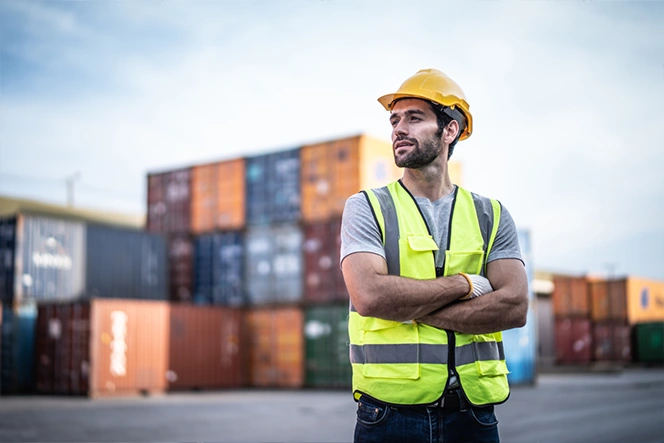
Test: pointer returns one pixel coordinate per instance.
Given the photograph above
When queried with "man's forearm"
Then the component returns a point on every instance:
(402, 299)
(492, 312)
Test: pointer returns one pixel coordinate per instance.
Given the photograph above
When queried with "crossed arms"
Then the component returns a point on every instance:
(435, 302)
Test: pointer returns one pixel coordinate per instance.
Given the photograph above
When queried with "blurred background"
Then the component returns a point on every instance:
(172, 178)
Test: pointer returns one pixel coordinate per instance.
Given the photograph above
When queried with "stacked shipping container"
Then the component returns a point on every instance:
(599, 320)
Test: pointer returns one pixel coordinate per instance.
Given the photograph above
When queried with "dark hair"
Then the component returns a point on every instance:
(444, 118)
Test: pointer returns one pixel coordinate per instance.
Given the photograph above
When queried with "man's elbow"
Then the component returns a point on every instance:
(365, 306)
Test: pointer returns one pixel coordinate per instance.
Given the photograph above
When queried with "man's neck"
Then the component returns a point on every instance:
(432, 181)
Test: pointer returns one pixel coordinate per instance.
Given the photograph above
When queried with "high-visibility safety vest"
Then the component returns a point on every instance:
(408, 363)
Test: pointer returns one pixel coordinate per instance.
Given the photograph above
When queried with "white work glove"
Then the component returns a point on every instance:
(478, 286)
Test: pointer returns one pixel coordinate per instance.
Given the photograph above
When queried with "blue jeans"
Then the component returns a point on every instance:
(377, 422)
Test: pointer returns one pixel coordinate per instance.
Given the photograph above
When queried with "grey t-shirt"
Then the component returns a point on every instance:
(359, 232)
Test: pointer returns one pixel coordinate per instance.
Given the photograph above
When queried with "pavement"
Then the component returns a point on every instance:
(612, 406)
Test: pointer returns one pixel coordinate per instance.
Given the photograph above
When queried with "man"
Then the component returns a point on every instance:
(434, 274)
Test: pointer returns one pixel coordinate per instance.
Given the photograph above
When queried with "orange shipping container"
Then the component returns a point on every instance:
(217, 196)
(645, 300)
(570, 296)
(128, 346)
(608, 300)
(204, 347)
(275, 347)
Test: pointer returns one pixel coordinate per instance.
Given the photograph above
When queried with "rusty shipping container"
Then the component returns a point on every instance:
(570, 296)
(612, 342)
(273, 187)
(275, 347)
(608, 300)
(573, 340)
(205, 348)
(217, 196)
(323, 280)
(180, 268)
(219, 269)
(126, 352)
(169, 202)
(273, 264)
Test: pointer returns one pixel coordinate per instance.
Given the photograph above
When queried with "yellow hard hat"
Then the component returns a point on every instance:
(434, 85)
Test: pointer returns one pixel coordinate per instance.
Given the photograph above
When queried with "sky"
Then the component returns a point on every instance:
(567, 100)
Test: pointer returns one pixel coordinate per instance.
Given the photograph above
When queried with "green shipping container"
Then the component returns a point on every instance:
(326, 344)
(649, 342)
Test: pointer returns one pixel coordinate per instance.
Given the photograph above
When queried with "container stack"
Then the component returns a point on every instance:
(51, 259)
(608, 320)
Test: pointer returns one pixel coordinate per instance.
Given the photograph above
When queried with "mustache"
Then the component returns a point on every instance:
(401, 138)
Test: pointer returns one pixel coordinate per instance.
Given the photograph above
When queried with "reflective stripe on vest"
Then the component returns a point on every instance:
(406, 363)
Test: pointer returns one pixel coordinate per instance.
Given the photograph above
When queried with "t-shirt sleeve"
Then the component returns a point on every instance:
(359, 231)
(506, 244)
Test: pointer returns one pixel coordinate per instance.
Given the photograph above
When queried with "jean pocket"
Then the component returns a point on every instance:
(484, 416)
(370, 413)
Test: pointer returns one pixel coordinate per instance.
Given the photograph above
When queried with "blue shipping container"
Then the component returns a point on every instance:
(125, 263)
(273, 188)
(17, 349)
(219, 269)
(521, 344)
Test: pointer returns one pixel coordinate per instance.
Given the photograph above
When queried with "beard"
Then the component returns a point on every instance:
(421, 155)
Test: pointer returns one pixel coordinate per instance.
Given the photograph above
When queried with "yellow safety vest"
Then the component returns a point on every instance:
(407, 363)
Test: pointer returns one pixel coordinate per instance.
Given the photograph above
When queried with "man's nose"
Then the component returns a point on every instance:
(401, 128)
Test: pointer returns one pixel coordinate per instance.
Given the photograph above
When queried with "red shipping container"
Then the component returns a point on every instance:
(323, 280)
(612, 342)
(573, 340)
(204, 347)
(169, 202)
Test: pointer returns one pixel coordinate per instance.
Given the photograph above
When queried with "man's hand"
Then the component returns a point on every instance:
(478, 286)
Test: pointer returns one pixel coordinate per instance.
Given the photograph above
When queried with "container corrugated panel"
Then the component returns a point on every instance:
(326, 340)
(219, 269)
(645, 300)
(180, 268)
(649, 342)
(205, 348)
(273, 264)
(169, 202)
(608, 300)
(323, 280)
(275, 345)
(203, 198)
(63, 349)
(612, 342)
(128, 346)
(333, 171)
(231, 195)
(570, 296)
(273, 188)
(50, 262)
(124, 263)
(573, 340)
(17, 349)
(7, 252)
(521, 343)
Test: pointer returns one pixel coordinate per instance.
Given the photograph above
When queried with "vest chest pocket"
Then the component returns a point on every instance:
(469, 262)
(416, 256)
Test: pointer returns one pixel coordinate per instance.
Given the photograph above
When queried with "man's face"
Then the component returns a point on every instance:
(416, 140)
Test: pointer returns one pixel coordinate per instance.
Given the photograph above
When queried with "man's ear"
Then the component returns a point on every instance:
(450, 132)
